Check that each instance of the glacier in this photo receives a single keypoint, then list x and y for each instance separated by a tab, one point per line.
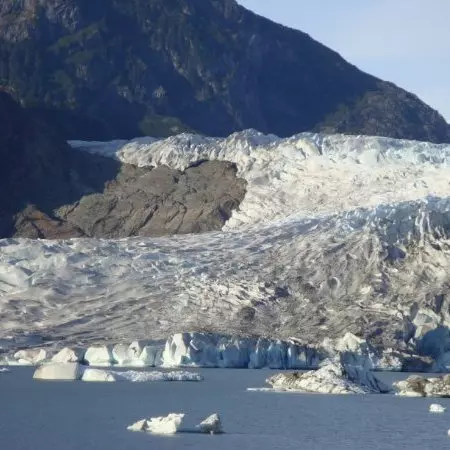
336	234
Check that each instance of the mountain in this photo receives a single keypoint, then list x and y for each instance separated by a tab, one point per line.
120	69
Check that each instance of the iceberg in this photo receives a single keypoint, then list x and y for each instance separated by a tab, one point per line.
99	356
76	371
30	357
137	377
169	424
69	355
437	408
98	375
417	386
211	425
332	378
59	371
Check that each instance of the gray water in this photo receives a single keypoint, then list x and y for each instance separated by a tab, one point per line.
82	416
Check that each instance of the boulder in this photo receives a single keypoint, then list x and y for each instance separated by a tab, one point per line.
211	425
97	375
332	378
69	355
59	371
99	356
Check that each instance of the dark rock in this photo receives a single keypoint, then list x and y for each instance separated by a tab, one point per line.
51	191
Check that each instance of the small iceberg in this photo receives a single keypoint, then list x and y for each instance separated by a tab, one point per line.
418	386
169	424
436	408
59	371
211	425
333	378
76	371
4	370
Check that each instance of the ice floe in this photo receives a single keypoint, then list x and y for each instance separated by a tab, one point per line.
437	408
169	424
332	378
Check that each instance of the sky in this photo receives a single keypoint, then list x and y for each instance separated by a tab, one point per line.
403	41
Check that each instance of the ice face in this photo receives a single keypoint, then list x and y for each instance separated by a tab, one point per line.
334	231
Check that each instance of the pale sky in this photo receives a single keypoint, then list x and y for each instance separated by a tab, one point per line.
403	41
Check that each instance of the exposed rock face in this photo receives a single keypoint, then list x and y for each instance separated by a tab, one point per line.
121	70
52	191
158	202
332	378
416	386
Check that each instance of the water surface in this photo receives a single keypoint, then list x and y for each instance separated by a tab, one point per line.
82	416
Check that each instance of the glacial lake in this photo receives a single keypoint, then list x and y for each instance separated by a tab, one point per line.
83	416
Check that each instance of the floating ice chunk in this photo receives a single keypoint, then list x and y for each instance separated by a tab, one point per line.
140	425
212	425
437	408
69	355
4	370
31	356
332	378
260	389
165	425
98	375
59	371
99	356
417	386
135	376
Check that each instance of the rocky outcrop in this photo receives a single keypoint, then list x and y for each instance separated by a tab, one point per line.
142	202
51	191
115	71
332	378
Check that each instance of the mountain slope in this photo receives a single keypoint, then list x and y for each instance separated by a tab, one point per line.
115	68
